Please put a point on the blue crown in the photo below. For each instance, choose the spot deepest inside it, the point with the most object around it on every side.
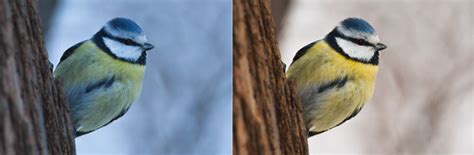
(357, 24)
(125, 24)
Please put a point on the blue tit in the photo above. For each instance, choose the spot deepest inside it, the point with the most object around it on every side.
(335, 76)
(102, 76)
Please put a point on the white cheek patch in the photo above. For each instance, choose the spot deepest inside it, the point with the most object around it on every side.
(123, 51)
(356, 51)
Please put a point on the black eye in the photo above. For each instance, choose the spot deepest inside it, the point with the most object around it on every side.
(360, 42)
(128, 41)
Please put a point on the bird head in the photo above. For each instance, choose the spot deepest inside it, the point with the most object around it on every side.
(356, 39)
(124, 39)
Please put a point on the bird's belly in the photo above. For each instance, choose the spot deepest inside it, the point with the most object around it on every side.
(328, 109)
(99, 107)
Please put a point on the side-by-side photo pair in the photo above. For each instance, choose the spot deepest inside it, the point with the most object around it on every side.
(236, 77)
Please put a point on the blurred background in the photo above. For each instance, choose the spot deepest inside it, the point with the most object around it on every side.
(185, 104)
(423, 101)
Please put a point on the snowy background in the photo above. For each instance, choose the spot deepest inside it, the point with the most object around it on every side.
(185, 105)
(424, 95)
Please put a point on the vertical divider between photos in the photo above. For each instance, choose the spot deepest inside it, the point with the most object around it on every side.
(267, 116)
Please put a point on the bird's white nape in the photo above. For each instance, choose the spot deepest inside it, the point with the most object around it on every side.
(121, 50)
(356, 51)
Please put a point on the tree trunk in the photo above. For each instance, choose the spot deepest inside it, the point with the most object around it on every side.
(267, 115)
(34, 117)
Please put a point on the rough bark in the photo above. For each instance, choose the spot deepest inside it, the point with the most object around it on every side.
(33, 113)
(267, 115)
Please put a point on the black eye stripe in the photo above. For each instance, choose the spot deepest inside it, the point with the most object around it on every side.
(354, 40)
(359, 41)
(122, 40)
(126, 41)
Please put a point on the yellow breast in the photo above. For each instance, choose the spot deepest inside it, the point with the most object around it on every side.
(321, 65)
(88, 65)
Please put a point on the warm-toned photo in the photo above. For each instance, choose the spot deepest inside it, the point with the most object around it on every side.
(353, 77)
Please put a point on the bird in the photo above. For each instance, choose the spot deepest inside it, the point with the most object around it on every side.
(103, 76)
(335, 76)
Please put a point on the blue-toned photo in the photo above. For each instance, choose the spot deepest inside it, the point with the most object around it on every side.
(176, 53)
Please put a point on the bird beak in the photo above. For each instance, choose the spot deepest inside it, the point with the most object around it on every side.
(148, 46)
(380, 46)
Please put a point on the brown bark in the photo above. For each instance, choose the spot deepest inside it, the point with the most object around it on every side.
(267, 115)
(34, 116)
